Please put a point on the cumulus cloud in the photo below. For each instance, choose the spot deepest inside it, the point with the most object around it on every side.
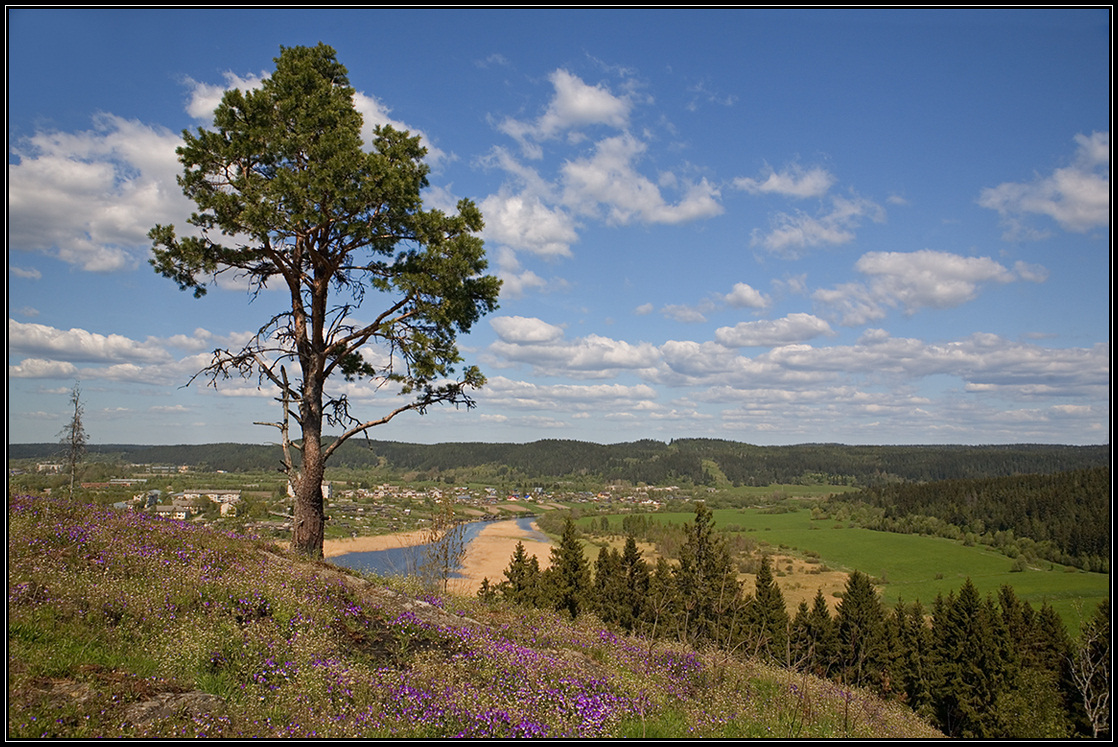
(525, 395)
(917, 280)
(37, 368)
(794, 181)
(607, 183)
(1077, 196)
(744, 296)
(90, 198)
(522, 221)
(574, 104)
(543, 346)
(768, 333)
(521, 330)
(792, 232)
(79, 344)
(204, 98)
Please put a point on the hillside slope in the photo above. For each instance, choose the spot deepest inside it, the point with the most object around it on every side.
(124, 625)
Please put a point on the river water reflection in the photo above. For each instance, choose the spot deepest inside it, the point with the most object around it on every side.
(400, 561)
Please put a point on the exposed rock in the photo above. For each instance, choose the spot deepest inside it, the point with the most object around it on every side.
(170, 705)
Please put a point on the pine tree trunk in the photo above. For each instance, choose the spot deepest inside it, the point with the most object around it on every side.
(310, 510)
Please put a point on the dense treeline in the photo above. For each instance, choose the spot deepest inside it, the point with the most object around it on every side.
(976, 668)
(685, 461)
(1063, 517)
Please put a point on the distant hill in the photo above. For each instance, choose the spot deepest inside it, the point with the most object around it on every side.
(694, 461)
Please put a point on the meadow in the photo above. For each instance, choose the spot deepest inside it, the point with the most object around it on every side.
(904, 567)
(125, 625)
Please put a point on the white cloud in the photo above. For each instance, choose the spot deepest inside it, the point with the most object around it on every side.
(917, 280)
(523, 222)
(575, 104)
(794, 181)
(744, 296)
(79, 344)
(609, 182)
(536, 343)
(204, 98)
(767, 333)
(1077, 197)
(504, 392)
(682, 313)
(524, 330)
(795, 231)
(29, 273)
(90, 198)
(37, 368)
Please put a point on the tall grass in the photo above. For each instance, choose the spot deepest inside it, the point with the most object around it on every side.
(109, 610)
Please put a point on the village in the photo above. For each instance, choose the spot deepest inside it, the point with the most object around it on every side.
(356, 507)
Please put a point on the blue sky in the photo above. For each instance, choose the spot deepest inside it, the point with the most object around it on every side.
(774, 227)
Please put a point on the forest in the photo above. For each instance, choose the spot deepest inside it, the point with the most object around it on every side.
(684, 461)
(992, 667)
(1063, 517)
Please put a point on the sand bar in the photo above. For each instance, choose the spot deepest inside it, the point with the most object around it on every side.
(487, 556)
(490, 552)
(332, 548)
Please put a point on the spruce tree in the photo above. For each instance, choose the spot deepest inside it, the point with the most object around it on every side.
(861, 650)
(662, 611)
(708, 590)
(568, 578)
(522, 578)
(973, 661)
(609, 586)
(767, 617)
(637, 581)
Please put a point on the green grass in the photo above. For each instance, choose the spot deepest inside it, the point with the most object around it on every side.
(915, 567)
(109, 609)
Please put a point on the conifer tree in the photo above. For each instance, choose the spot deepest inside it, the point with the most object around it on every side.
(73, 437)
(568, 578)
(609, 586)
(708, 590)
(973, 660)
(767, 616)
(637, 581)
(661, 613)
(288, 195)
(909, 659)
(861, 651)
(522, 578)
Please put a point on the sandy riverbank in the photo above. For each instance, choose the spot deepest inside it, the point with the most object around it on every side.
(487, 556)
(332, 548)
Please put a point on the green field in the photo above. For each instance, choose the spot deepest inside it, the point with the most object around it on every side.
(914, 567)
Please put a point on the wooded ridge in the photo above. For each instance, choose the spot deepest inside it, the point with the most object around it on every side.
(694, 461)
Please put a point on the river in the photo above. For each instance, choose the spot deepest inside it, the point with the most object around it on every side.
(400, 561)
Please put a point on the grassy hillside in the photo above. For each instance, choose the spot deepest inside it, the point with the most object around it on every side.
(122, 625)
